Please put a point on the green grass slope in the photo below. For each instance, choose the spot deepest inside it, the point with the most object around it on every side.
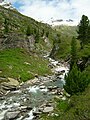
(18, 22)
(66, 34)
(19, 64)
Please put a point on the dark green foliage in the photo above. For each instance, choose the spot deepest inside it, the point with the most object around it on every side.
(37, 36)
(47, 33)
(42, 32)
(35, 31)
(76, 81)
(28, 32)
(73, 51)
(88, 33)
(83, 30)
(6, 28)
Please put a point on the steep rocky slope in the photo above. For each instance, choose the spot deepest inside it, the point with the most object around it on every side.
(20, 54)
(17, 26)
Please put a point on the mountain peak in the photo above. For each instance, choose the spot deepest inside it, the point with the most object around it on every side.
(56, 22)
(7, 5)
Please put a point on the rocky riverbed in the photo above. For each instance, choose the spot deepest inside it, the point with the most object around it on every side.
(28, 100)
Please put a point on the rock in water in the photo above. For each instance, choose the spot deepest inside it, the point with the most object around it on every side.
(11, 115)
(8, 87)
(48, 109)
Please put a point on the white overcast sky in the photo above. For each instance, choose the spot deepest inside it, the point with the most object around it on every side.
(44, 10)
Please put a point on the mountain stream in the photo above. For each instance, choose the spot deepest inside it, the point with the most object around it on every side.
(35, 96)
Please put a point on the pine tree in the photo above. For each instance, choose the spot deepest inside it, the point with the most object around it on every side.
(83, 30)
(47, 33)
(35, 31)
(28, 32)
(76, 81)
(42, 34)
(88, 35)
(6, 28)
(37, 36)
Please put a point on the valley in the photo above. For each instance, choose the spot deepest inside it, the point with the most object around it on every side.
(29, 100)
(44, 68)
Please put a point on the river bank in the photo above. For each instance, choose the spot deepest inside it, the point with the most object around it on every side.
(35, 96)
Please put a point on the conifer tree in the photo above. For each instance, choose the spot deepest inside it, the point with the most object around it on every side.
(47, 33)
(6, 28)
(83, 30)
(76, 81)
(28, 32)
(88, 33)
(42, 34)
(37, 36)
(35, 31)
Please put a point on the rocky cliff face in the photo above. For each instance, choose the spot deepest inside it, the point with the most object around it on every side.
(17, 41)
(17, 27)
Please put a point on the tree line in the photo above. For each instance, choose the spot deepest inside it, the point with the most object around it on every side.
(77, 80)
(29, 30)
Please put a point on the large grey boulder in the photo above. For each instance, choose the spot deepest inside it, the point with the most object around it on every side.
(11, 115)
(48, 109)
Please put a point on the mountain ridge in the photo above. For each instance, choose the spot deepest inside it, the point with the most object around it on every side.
(17, 49)
(52, 21)
(39, 42)
(18, 23)
(58, 22)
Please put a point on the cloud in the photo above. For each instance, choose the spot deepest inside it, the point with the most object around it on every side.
(56, 9)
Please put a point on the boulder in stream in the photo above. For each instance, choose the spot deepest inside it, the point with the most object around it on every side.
(48, 109)
(9, 115)
(7, 87)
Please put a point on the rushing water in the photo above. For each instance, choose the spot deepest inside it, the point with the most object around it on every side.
(33, 96)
